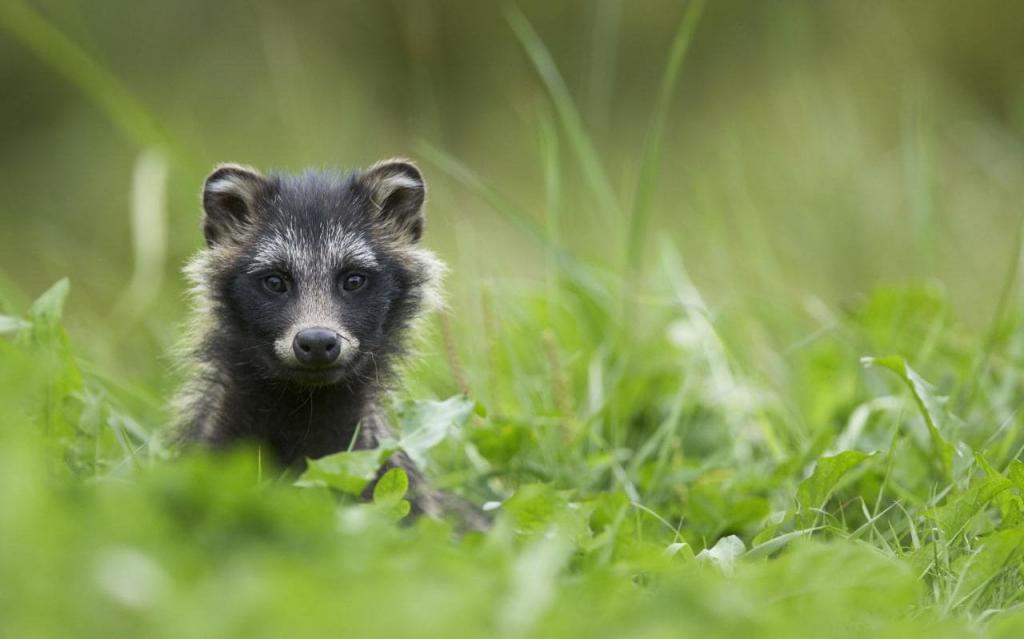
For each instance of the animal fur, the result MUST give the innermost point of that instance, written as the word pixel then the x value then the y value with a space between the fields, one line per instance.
pixel 312 235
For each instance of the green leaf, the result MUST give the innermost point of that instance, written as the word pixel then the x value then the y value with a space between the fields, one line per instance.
pixel 49 307
pixel 765 546
pixel 9 324
pixel 815 491
pixel 999 552
pixel 391 487
pixel 51 351
pixel 724 553
pixel 425 424
pixel 535 508
pixel 348 471
pixel 396 511
pixel 715 507
pixel 928 403
pixel 952 517
pixel 1015 471
pixel 1009 502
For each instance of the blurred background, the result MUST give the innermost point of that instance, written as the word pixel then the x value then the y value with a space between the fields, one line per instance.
pixel 811 150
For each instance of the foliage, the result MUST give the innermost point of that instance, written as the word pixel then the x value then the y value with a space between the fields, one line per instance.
pixel 710 531
pixel 663 457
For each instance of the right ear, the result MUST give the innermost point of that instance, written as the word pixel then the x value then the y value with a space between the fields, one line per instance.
pixel 229 200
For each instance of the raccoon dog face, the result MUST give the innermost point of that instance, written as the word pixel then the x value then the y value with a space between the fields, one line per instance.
pixel 312 279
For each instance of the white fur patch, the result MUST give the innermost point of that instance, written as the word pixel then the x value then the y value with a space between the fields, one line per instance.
pixel 388 184
pixel 237 180
pixel 313 257
pixel 229 184
pixel 432 270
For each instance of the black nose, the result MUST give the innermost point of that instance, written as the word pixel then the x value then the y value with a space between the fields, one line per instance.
pixel 316 346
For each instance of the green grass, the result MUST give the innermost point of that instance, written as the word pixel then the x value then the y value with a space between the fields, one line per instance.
pixel 650 485
pixel 660 463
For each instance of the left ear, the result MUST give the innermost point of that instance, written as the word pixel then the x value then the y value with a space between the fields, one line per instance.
pixel 397 191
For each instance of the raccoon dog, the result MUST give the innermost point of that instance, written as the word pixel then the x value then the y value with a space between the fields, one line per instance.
pixel 305 295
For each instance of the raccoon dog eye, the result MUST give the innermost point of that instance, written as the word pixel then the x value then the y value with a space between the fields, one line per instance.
pixel 353 282
pixel 275 284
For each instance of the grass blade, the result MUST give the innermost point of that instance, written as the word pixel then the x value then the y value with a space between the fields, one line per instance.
pixel 998 315
pixel 928 405
pixel 578 272
pixel 646 178
pixel 149 235
pixel 568 114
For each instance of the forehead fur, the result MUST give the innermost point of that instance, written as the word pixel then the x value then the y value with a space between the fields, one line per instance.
pixel 318 220
pixel 311 250
pixel 317 199
pixel 313 222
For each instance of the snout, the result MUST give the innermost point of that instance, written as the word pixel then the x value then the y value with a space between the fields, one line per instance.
pixel 317 347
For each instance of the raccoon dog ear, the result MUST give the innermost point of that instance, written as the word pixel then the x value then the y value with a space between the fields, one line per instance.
pixel 397 191
pixel 229 197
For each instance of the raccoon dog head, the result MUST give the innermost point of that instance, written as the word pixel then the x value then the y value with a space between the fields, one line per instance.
pixel 312 279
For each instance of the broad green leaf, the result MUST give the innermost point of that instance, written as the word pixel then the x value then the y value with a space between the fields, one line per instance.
pixel 930 406
pixel 1015 471
pixel 724 553
pixel 953 516
pixel 680 549
pixel 715 507
pixel 998 552
pixel 1009 502
pixel 424 424
pixel 771 529
pixel 535 508
pixel 396 511
pixel 348 471
pixel 871 584
pixel 814 491
pixel 391 487
pixel 770 546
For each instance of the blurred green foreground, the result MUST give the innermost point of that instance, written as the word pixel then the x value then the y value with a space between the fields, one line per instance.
pixel 733 345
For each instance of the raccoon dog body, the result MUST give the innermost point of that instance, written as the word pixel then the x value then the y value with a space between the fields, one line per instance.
pixel 304 295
